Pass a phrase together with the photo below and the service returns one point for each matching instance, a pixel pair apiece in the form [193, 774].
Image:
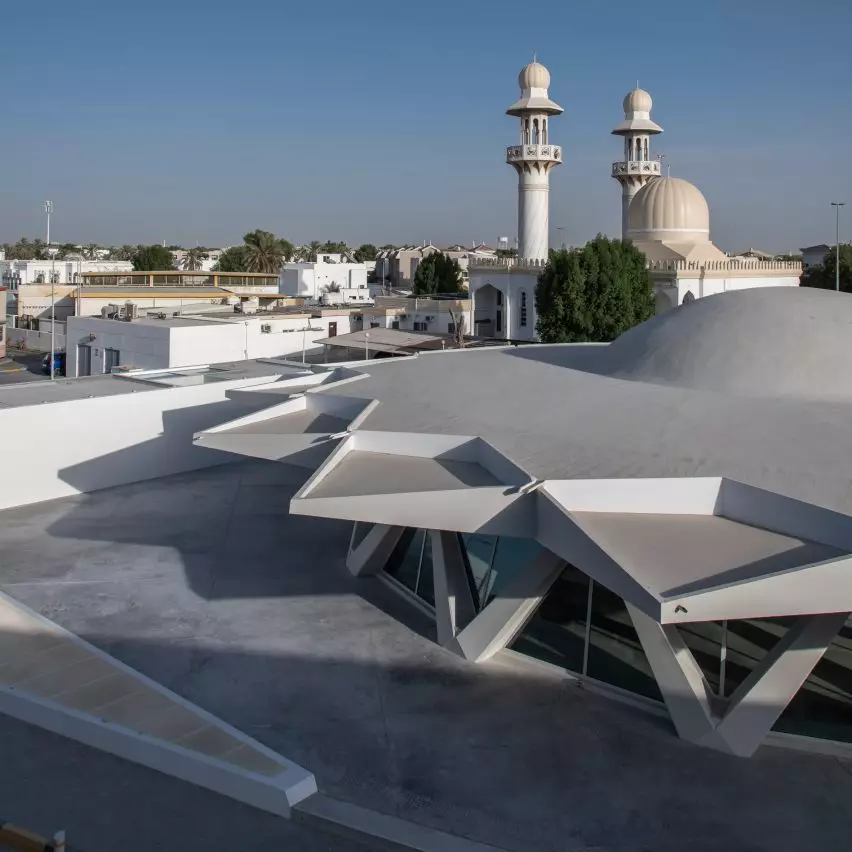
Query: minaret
[637, 168]
[533, 160]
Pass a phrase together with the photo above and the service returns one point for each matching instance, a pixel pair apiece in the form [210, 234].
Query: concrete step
[52, 678]
[380, 832]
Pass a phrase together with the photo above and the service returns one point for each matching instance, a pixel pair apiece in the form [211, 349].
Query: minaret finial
[535, 59]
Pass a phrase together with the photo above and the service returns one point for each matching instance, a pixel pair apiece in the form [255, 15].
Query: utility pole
[52, 253]
[48, 209]
[837, 205]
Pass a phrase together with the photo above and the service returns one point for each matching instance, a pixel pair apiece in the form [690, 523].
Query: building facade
[329, 279]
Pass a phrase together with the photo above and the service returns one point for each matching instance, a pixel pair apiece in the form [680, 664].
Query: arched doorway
[488, 312]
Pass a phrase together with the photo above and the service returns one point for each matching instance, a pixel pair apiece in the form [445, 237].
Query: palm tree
[192, 260]
[90, 252]
[125, 252]
[263, 252]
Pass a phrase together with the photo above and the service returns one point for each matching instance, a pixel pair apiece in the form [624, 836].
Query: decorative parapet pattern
[650, 168]
[521, 153]
[726, 265]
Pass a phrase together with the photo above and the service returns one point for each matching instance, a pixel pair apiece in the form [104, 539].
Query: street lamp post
[48, 209]
[837, 205]
[52, 253]
[366, 345]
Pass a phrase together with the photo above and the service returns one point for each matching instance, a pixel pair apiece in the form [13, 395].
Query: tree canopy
[823, 276]
[437, 273]
[152, 258]
[231, 260]
[367, 251]
[264, 252]
[593, 293]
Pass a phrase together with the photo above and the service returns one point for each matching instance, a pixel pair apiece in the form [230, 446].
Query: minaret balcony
[651, 168]
[534, 153]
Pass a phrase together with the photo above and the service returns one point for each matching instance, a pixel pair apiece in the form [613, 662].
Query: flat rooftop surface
[361, 472]
[203, 582]
[61, 390]
[676, 554]
[545, 408]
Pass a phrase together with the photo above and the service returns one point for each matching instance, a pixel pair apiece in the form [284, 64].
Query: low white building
[16, 272]
[331, 279]
[96, 345]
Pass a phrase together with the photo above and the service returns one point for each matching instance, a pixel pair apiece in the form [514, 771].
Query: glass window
[615, 653]
[748, 641]
[359, 533]
[411, 563]
[556, 632]
[704, 640]
[823, 705]
[493, 561]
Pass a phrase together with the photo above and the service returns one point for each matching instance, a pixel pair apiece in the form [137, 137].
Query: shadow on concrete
[522, 761]
[204, 583]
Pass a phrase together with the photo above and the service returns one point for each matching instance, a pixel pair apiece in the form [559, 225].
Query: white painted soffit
[448, 482]
[287, 430]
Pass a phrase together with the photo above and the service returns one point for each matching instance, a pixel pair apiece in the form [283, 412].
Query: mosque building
[667, 218]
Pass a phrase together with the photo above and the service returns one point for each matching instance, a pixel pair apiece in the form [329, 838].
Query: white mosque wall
[504, 302]
[700, 287]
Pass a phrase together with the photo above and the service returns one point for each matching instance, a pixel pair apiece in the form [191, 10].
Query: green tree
[192, 260]
[824, 275]
[366, 252]
[152, 258]
[231, 260]
[124, 252]
[264, 252]
[437, 273]
[90, 252]
[594, 293]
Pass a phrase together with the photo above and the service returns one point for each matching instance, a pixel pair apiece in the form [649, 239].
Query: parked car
[58, 364]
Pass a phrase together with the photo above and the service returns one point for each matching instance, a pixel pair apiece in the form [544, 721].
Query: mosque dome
[637, 101]
[761, 342]
[669, 209]
[534, 76]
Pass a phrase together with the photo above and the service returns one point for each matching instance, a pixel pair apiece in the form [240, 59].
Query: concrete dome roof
[670, 209]
[637, 100]
[762, 342]
[534, 76]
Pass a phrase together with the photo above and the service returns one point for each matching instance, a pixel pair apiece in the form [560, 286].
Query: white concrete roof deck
[671, 555]
[362, 472]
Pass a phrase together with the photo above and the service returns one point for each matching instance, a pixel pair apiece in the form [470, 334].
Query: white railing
[519, 153]
[636, 167]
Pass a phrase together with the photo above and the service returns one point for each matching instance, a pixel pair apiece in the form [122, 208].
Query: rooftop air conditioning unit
[131, 310]
[266, 328]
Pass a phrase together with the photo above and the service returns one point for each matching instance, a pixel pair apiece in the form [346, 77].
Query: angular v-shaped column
[741, 724]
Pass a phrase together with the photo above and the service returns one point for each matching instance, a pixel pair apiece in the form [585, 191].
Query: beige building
[669, 221]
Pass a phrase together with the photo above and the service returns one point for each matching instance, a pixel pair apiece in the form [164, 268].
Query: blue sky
[384, 121]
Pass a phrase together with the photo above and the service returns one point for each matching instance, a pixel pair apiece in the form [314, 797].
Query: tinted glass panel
[615, 653]
[361, 531]
[425, 583]
[511, 556]
[823, 705]
[493, 562]
[405, 558]
[704, 639]
[556, 632]
[749, 640]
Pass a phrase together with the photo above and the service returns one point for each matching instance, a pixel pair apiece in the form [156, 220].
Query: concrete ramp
[51, 678]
